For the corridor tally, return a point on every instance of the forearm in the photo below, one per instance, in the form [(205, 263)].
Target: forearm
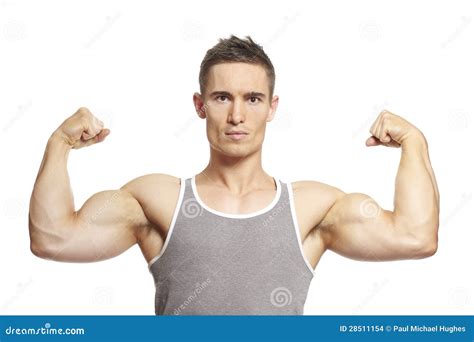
[(51, 204), (416, 191)]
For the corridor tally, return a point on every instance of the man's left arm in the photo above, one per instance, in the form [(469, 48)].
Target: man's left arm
[(356, 226)]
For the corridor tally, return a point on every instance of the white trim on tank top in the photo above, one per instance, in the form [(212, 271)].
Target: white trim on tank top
[(297, 227), (173, 221), (237, 216)]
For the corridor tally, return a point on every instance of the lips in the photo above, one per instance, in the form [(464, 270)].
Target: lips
[(236, 132), (236, 135)]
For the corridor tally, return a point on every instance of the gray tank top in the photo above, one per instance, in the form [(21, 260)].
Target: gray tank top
[(213, 263)]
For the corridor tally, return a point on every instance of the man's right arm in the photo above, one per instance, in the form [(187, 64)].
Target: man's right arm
[(105, 226)]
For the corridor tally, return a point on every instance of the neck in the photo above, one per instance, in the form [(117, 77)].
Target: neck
[(238, 174)]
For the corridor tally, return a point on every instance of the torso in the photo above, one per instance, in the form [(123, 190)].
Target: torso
[(158, 195)]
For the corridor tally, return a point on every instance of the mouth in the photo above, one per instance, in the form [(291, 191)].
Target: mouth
[(239, 135)]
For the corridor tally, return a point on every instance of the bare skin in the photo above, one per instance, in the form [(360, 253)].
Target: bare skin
[(237, 98)]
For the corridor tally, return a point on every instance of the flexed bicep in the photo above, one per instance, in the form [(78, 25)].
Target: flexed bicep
[(357, 227), (107, 225), (104, 227)]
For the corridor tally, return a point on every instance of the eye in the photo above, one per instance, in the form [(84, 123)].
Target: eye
[(254, 99), (221, 98)]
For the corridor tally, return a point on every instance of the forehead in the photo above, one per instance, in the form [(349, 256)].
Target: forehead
[(237, 77)]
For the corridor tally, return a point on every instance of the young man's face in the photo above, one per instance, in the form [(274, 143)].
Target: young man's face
[(236, 99)]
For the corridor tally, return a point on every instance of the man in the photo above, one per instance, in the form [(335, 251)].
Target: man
[(233, 239)]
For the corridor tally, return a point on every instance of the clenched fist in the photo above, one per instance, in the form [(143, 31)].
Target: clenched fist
[(82, 129), (391, 130)]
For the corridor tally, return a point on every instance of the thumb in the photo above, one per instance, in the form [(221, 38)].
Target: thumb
[(372, 141), (102, 135), (97, 138)]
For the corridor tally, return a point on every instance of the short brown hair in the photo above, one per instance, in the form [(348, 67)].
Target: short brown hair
[(234, 50)]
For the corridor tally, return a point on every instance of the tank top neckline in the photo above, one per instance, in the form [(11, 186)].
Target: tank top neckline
[(237, 216)]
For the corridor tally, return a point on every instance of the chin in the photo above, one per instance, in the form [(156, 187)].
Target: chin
[(234, 151)]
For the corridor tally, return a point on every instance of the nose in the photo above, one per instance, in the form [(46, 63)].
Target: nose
[(236, 115)]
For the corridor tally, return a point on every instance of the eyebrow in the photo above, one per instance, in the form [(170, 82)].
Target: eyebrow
[(226, 93)]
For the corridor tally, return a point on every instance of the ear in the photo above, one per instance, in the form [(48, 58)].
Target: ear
[(199, 105), (273, 108)]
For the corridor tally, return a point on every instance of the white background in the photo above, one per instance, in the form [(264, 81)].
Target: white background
[(135, 65)]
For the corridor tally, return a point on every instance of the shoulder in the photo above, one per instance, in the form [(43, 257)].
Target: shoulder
[(313, 200), (153, 179), (312, 191), (157, 194), (156, 191), (151, 183)]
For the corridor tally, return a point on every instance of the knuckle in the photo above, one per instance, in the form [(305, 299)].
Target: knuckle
[(83, 110), (84, 122)]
